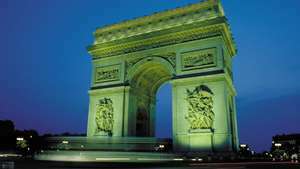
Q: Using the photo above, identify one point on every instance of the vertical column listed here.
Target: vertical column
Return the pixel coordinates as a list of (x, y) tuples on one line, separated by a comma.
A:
[(235, 131), (200, 116), (152, 117), (106, 110)]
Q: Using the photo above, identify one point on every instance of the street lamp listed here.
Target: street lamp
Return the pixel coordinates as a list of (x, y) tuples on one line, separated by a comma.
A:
[(20, 138), (243, 145), (278, 145)]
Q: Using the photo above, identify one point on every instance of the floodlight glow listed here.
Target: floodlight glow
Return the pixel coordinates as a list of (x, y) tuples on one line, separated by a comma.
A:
[(152, 159), (243, 145), (161, 146), (10, 155), (20, 138), (112, 159), (178, 159), (65, 142), (278, 144)]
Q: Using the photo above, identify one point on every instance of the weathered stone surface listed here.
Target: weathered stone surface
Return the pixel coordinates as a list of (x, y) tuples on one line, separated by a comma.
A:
[(104, 116), (190, 47), (200, 108)]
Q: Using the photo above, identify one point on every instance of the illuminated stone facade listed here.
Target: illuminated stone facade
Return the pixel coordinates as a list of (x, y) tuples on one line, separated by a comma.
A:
[(190, 47)]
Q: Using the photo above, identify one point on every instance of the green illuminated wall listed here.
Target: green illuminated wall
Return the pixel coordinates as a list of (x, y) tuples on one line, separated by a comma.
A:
[(190, 47)]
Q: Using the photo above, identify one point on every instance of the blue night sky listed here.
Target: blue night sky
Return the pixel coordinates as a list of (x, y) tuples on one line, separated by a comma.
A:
[(45, 69)]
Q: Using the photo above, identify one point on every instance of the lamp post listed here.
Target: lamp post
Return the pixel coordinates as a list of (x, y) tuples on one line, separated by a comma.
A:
[(278, 145)]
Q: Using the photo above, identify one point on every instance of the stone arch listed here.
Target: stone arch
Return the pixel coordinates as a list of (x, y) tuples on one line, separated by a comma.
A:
[(145, 77), (201, 52), (153, 65), (150, 59)]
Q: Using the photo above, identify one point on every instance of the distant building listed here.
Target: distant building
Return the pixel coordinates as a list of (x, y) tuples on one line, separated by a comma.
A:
[(289, 144), (245, 151)]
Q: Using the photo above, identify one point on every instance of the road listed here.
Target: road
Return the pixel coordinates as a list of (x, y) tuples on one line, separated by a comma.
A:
[(59, 165)]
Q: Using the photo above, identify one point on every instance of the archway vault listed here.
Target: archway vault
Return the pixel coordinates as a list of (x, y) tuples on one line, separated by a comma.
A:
[(193, 48), (145, 78), (149, 73)]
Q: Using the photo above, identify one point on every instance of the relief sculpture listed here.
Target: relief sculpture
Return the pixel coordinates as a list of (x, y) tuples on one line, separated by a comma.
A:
[(107, 74), (104, 116), (200, 108), (198, 59)]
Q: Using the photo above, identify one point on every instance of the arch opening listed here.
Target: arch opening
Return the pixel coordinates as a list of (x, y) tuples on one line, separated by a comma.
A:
[(163, 112), (148, 77)]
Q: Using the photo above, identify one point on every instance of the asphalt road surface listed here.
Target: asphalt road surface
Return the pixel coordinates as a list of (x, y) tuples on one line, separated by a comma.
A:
[(60, 165)]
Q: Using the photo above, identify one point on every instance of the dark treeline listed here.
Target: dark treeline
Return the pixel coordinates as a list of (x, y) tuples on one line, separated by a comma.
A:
[(7, 135), (22, 141)]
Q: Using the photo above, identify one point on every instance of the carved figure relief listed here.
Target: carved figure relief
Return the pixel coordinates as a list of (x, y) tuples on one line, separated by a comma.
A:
[(200, 108), (104, 116)]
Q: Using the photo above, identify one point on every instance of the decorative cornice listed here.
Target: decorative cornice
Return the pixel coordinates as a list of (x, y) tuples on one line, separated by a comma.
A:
[(197, 21), (205, 9)]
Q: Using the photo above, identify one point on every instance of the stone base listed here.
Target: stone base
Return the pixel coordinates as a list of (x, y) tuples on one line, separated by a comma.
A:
[(105, 156), (130, 149), (104, 143), (129, 157), (201, 140)]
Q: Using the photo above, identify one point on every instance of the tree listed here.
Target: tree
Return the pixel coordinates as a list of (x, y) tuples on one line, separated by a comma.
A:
[(7, 135)]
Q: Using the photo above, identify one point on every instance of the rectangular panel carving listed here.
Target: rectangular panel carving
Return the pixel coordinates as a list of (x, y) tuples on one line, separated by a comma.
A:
[(198, 59), (107, 74)]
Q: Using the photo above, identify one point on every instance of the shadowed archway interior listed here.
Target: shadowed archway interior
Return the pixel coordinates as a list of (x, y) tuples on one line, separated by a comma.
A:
[(145, 83)]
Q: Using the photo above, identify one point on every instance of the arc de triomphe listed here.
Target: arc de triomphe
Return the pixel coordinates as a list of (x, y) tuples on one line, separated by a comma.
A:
[(190, 47)]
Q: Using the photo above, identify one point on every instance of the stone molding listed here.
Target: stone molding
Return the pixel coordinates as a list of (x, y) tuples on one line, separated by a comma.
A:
[(194, 22), (142, 43), (203, 10)]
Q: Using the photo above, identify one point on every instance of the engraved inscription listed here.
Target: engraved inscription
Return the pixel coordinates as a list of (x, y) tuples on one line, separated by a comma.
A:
[(107, 74), (198, 59)]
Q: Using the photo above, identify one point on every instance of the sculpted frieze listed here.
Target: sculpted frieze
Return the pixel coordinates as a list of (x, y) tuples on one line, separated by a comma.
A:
[(107, 74), (104, 116), (155, 42), (200, 113), (198, 59), (153, 23)]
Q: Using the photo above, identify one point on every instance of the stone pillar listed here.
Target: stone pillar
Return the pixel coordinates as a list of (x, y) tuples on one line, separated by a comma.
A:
[(104, 102), (192, 130)]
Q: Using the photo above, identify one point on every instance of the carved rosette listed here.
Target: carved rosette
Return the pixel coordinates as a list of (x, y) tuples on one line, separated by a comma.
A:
[(200, 108), (104, 116)]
